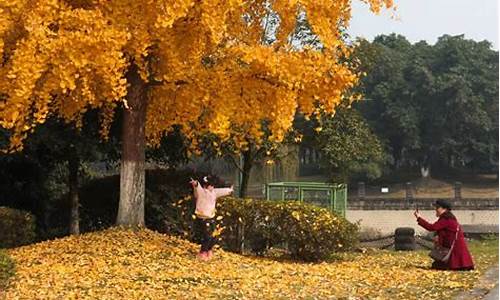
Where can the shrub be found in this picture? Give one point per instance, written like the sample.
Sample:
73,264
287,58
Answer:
6,269
309,232
17,227
99,201
164,189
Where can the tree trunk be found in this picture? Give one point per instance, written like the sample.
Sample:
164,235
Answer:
245,176
132,173
73,166
425,171
425,166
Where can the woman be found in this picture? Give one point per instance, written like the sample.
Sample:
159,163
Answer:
446,228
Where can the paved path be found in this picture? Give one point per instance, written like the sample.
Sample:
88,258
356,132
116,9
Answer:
482,289
492,295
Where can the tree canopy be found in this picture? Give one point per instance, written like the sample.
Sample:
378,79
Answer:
203,63
196,66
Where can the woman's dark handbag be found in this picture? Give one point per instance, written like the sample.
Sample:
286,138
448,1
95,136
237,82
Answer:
440,253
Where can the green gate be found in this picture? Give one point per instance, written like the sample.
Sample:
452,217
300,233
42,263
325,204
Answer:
330,196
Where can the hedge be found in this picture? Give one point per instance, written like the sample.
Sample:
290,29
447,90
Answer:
99,201
308,232
17,227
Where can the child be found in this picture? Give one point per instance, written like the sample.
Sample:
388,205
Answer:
205,196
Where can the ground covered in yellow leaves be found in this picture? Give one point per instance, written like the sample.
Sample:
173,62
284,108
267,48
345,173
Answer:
123,264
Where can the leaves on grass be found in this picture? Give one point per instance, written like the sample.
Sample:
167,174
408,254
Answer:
124,264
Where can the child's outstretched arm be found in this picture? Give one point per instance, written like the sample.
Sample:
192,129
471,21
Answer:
222,192
196,187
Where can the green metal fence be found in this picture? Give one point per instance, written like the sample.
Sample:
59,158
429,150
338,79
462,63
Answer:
330,196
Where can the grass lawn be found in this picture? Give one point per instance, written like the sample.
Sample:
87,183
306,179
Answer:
122,264
485,251
6,270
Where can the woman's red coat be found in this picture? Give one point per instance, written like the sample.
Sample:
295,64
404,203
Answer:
446,229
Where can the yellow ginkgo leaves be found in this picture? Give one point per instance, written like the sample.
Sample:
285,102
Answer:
203,64
122,264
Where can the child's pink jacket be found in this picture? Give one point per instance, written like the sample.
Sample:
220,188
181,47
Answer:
205,200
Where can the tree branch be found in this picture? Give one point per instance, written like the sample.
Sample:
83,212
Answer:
154,82
271,82
232,159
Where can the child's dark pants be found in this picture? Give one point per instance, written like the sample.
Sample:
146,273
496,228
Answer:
205,228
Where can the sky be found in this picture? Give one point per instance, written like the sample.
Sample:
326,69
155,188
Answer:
429,19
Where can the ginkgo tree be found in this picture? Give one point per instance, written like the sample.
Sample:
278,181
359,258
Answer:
167,63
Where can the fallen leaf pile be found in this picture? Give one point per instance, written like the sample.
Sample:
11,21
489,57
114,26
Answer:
125,264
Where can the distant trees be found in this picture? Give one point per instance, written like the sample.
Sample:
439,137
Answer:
350,147
433,106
